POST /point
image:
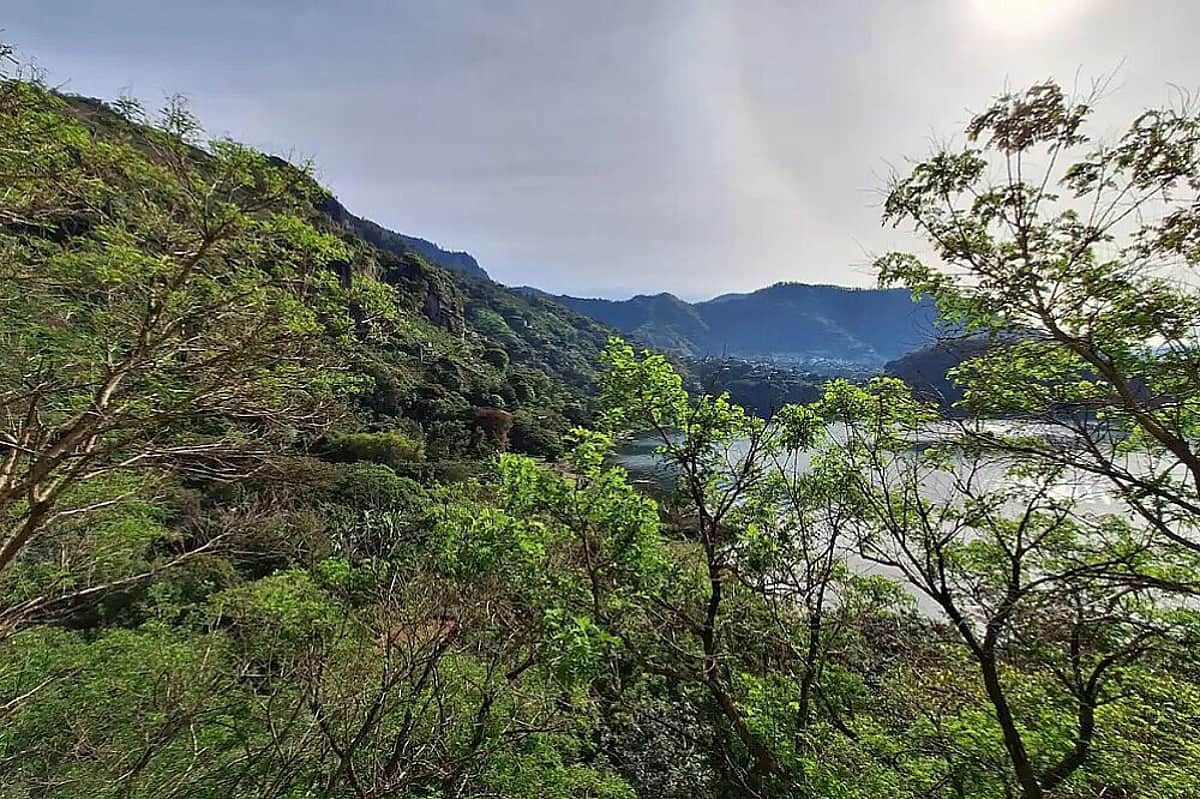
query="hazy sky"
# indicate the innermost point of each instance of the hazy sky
(608, 148)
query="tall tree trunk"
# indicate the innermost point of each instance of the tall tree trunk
(1031, 787)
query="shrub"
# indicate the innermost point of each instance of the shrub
(390, 395)
(497, 357)
(536, 436)
(373, 486)
(388, 447)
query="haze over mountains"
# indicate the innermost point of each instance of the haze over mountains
(788, 322)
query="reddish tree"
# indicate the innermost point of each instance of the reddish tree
(493, 423)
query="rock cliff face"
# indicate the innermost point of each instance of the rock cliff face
(441, 302)
(431, 290)
(441, 313)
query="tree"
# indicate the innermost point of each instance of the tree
(164, 309)
(766, 528)
(1077, 257)
(1035, 588)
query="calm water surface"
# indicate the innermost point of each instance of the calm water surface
(646, 468)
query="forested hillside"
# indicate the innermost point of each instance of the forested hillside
(454, 342)
(287, 510)
(927, 369)
(520, 335)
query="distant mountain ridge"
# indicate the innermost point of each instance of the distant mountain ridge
(796, 322)
(391, 241)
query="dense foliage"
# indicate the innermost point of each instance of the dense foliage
(262, 536)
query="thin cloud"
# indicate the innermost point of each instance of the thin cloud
(619, 147)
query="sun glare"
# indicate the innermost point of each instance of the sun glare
(1024, 17)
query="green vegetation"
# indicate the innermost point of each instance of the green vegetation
(262, 533)
(390, 448)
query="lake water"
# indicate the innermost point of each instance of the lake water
(646, 469)
(640, 458)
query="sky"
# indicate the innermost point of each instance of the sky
(612, 148)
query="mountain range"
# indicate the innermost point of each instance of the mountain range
(788, 322)
(812, 326)
(797, 323)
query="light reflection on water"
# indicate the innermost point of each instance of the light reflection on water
(1091, 493)
(639, 456)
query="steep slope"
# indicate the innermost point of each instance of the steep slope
(536, 331)
(463, 342)
(495, 348)
(533, 331)
(787, 321)
(662, 321)
(384, 239)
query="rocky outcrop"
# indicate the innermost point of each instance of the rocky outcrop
(430, 290)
